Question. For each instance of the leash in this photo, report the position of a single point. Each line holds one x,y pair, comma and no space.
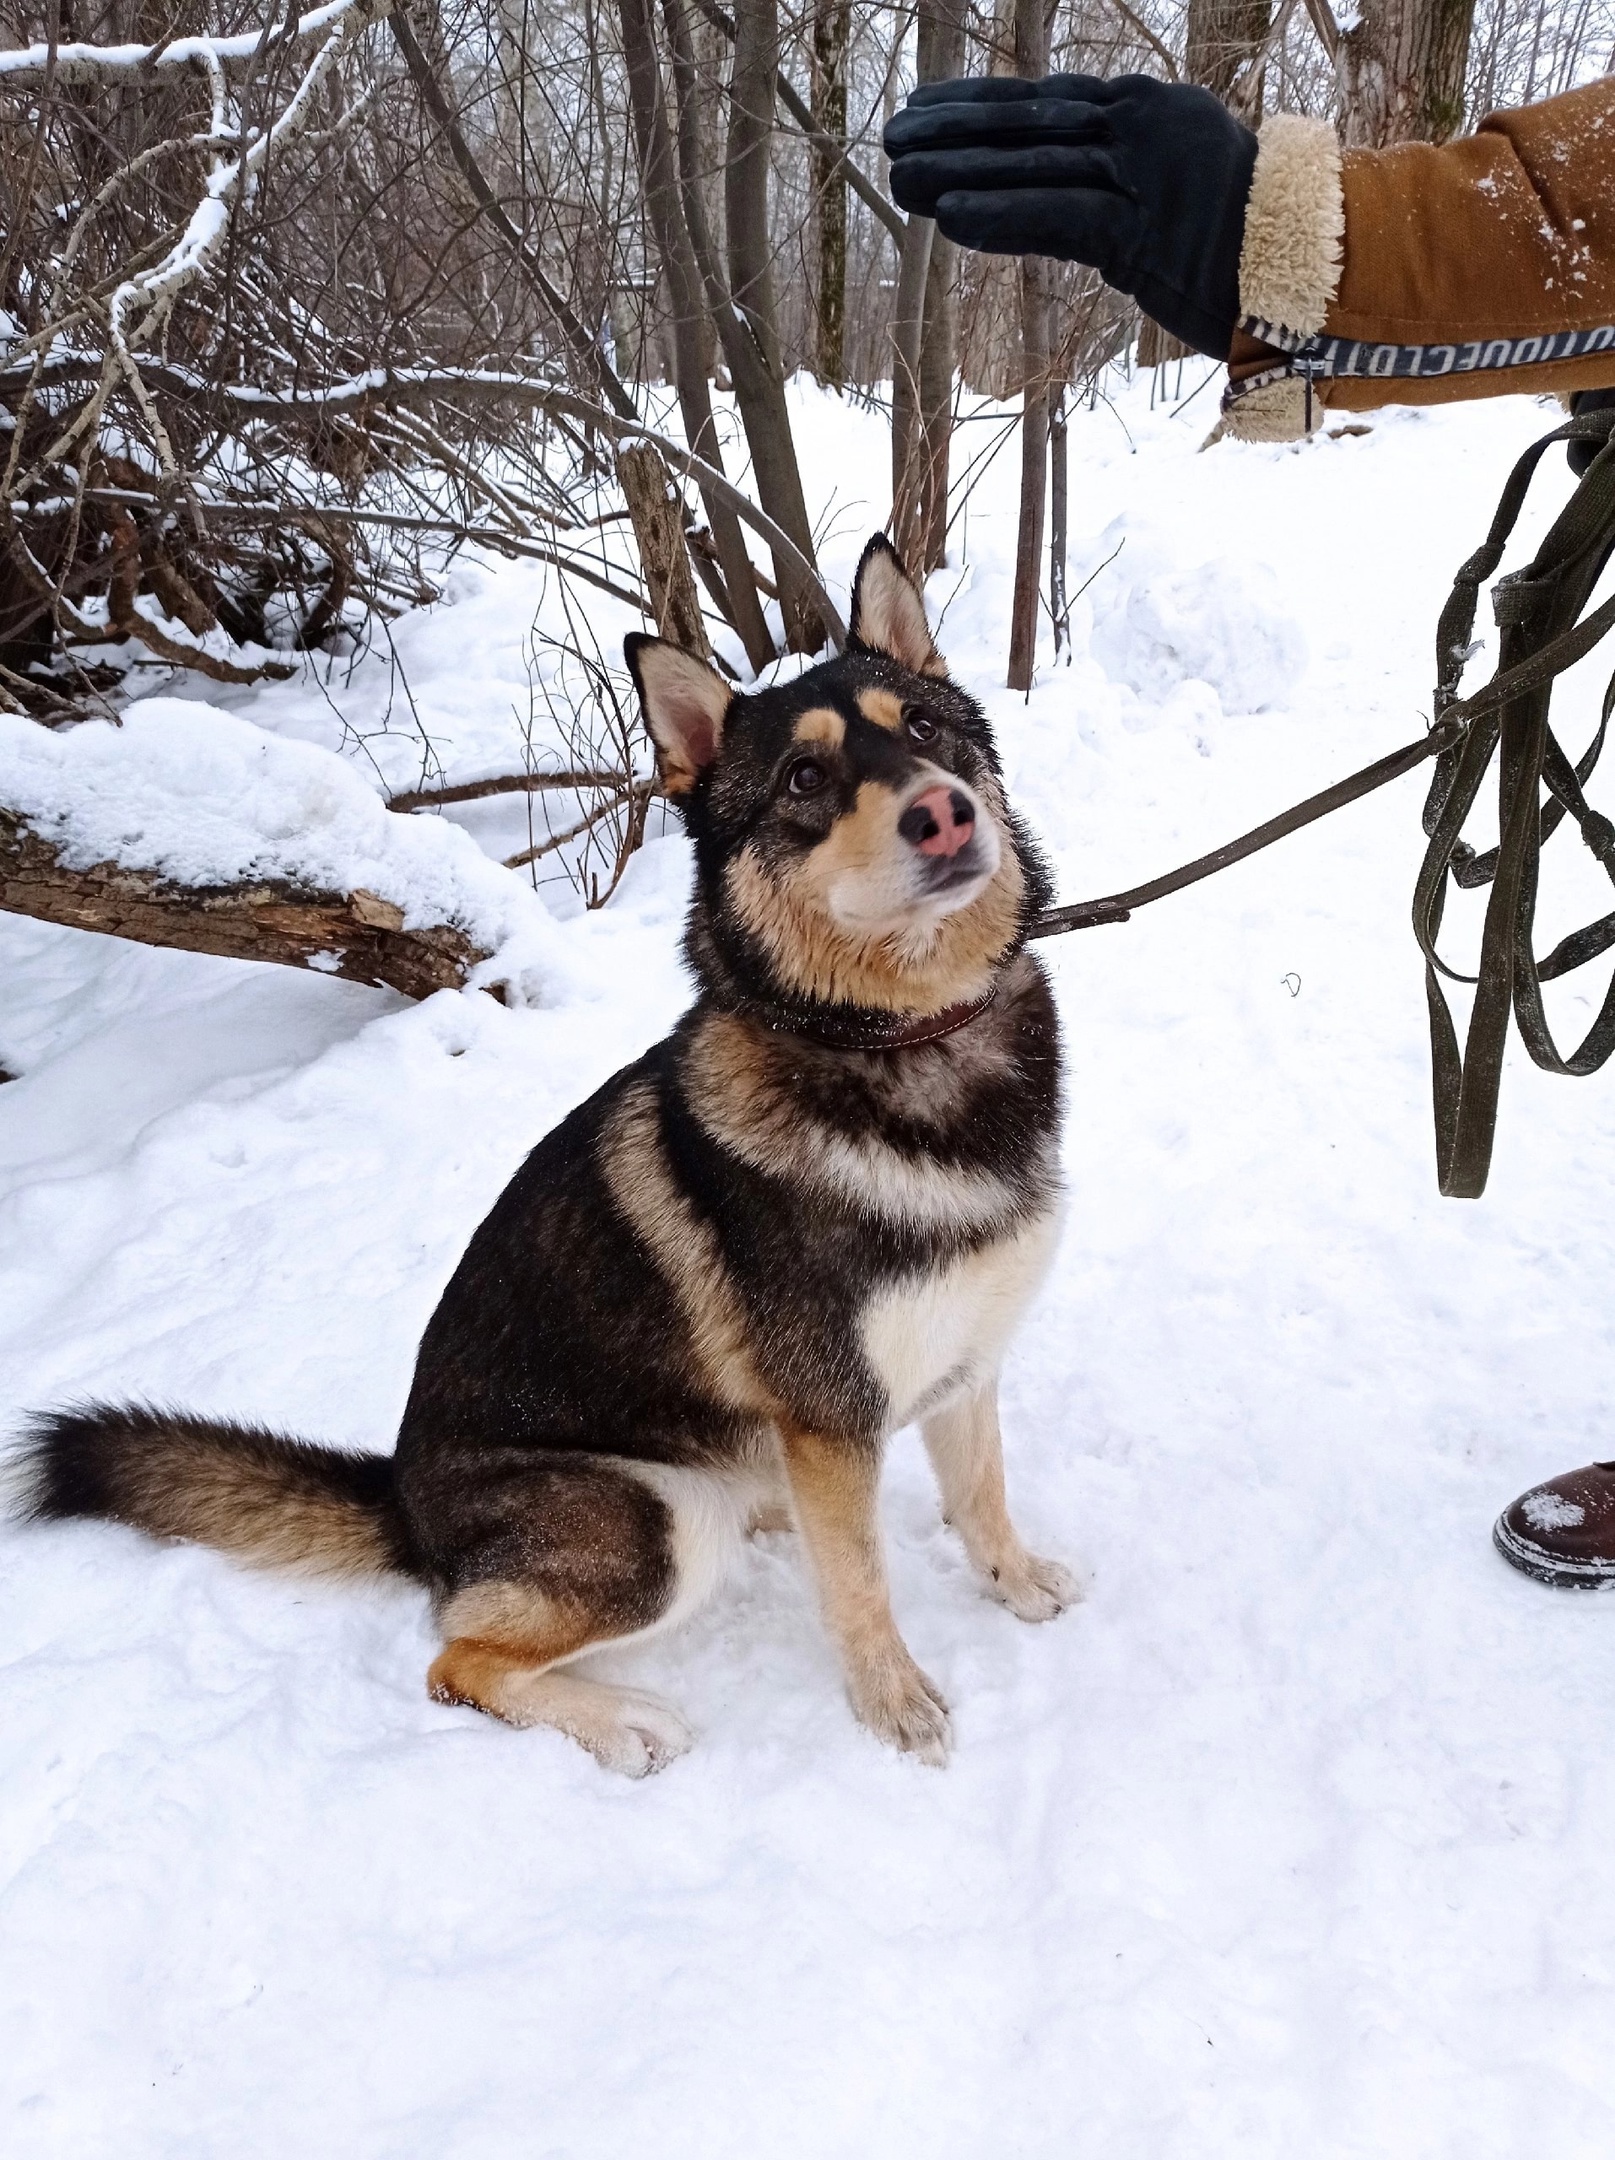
1117,907
1539,613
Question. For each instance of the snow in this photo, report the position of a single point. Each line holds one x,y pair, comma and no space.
1163,624
204,798
72,61
1292,1838
1552,1511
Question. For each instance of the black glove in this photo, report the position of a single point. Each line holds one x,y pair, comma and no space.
1146,181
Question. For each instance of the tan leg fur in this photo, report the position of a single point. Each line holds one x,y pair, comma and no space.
835,1490
504,1644
967,1454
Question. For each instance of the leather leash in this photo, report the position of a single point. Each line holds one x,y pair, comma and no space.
1539,613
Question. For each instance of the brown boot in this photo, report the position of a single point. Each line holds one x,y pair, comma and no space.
1564,1532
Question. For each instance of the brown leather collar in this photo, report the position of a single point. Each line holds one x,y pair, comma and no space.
847,1028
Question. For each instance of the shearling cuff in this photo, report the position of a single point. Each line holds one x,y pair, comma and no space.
1295,222
1273,410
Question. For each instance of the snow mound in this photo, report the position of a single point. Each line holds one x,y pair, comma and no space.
1166,624
202,798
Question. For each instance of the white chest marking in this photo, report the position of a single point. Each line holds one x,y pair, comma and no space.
930,1335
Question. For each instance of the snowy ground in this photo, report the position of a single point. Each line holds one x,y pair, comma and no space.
1294,1838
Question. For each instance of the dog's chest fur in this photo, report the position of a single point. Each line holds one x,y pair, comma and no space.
926,1337
877,1222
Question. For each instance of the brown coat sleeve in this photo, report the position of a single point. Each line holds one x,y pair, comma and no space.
1419,274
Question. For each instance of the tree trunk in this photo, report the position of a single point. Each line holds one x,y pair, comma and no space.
747,317
665,212
1059,474
357,935
1401,70
938,359
1158,347
925,336
657,509
1221,38
908,331
832,27
1031,61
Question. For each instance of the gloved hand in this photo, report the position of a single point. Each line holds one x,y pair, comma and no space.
1146,181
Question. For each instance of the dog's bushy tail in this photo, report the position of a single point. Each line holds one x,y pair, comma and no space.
270,1501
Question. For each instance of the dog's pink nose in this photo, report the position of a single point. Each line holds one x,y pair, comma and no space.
939,822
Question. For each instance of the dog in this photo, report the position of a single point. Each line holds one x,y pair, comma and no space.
809,1217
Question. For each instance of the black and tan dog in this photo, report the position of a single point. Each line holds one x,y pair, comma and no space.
809,1216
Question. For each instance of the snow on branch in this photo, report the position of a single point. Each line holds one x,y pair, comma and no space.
155,290
262,373
30,67
101,303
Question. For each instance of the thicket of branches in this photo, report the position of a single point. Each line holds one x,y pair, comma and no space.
292,307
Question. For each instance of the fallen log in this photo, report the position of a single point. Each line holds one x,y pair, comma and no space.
356,935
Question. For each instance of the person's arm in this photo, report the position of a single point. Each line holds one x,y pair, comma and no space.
1413,275
1460,271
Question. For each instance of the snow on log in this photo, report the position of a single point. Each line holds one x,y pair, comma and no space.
357,935
185,826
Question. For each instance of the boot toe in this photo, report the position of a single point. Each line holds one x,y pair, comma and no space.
1563,1532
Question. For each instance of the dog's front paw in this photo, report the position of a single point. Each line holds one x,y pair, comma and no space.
1035,1589
901,1706
638,1736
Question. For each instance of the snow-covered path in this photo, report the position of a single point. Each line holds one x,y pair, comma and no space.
1294,1838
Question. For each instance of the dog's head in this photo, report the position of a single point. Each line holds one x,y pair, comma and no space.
852,841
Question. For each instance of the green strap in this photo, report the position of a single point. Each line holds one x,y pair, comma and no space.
1539,613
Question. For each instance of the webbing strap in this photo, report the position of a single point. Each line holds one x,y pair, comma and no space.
1539,613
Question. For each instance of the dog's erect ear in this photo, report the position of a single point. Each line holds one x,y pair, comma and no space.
888,615
684,704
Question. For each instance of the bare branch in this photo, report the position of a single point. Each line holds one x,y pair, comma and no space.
30,67
381,385
591,818
840,153
536,783
436,102
1322,17
1141,28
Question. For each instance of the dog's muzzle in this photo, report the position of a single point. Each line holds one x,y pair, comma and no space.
945,827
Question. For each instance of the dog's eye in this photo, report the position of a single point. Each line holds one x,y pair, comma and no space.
921,727
806,777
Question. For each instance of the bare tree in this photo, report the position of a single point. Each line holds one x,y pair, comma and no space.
1221,39
1031,61
747,315
832,29
1225,49
665,213
1402,65
288,316
924,335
